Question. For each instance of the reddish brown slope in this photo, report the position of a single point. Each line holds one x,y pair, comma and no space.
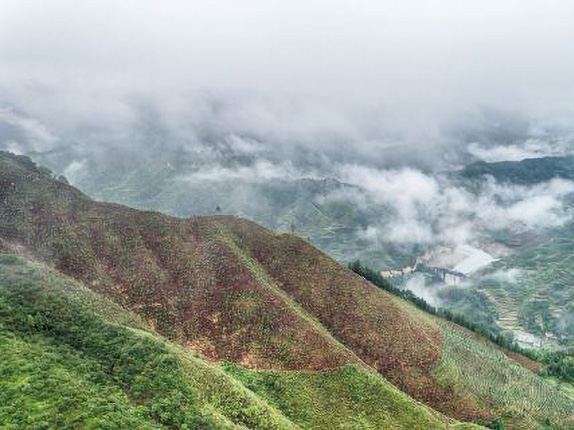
401,342
178,274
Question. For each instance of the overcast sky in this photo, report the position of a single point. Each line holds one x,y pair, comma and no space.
351,78
429,51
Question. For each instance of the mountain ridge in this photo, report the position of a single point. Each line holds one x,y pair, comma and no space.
202,283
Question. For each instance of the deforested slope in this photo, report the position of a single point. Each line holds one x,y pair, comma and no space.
180,276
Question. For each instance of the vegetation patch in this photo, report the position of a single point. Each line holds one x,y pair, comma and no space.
349,398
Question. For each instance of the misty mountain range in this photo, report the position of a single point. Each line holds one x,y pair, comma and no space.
390,214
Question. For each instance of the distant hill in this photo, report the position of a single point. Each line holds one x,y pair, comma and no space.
327,212
293,325
525,172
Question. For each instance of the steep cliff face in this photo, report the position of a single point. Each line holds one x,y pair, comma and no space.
234,291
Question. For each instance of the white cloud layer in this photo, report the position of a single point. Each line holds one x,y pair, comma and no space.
531,148
428,209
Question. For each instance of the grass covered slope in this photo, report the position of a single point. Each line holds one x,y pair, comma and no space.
319,400
408,346
65,366
72,359
470,365
236,292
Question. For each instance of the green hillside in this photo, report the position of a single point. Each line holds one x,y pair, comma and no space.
267,312
539,297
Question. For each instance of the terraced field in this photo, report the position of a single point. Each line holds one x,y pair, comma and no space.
472,366
506,304
540,299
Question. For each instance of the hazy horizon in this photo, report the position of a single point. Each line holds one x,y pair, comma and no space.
382,95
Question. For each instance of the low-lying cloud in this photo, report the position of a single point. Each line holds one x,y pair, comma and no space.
20,134
431,209
531,148
259,171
